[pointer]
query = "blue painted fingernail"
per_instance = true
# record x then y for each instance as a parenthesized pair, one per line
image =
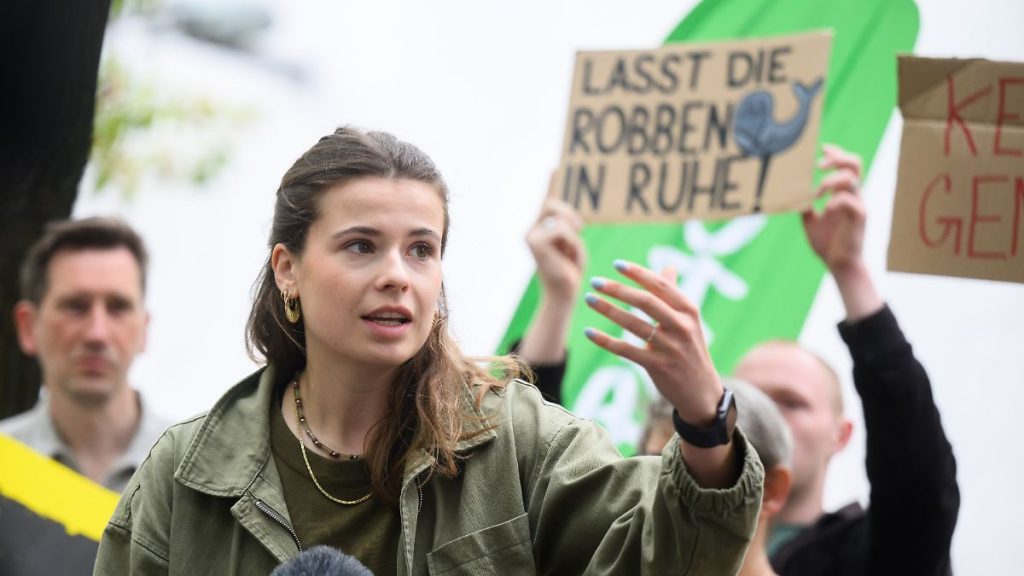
(598, 282)
(590, 298)
(590, 332)
(621, 265)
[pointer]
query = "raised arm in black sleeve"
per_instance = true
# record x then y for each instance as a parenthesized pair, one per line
(547, 377)
(910, 465)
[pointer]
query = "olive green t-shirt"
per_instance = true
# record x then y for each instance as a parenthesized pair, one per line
(368, 530)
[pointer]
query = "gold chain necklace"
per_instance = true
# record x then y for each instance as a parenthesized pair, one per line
(301, 421)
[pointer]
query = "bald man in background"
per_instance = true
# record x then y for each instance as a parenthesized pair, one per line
(908, 526)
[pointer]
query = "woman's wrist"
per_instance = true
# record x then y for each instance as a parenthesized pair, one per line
(716, 467)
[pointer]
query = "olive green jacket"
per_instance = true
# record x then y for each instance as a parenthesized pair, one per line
(543, 492)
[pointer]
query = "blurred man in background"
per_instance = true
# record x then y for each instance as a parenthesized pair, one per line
(82, 315)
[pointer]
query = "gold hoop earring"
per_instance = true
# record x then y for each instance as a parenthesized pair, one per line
(292, 310)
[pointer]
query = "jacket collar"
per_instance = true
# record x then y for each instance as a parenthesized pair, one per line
(232, 445)
(478, 426)
(477, 430)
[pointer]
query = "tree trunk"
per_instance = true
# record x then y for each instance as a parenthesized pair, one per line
(51, 59)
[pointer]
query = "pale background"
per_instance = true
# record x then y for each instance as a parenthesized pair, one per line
(483, 88)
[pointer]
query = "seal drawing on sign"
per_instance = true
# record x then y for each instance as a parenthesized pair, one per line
(758, 134)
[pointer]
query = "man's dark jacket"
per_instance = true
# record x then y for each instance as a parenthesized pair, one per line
(908, 526)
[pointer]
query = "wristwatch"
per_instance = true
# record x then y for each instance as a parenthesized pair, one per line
(719, 433)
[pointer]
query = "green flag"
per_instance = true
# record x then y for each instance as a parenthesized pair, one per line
(754, 278)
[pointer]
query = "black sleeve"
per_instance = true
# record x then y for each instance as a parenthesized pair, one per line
(546, 377)
(910, 465)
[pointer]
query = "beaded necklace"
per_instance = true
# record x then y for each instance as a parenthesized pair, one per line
(301, 421)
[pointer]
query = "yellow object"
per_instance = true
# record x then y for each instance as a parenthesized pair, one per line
(53, 490)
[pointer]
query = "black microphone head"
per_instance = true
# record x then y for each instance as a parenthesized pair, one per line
(322, 561)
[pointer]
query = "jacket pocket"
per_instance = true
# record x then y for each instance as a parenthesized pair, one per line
(500, 549)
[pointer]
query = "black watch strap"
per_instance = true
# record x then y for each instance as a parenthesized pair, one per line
(719, 433)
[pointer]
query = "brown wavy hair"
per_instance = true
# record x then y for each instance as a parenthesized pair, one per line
(425, 408)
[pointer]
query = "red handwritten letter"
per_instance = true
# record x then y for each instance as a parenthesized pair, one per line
(953, 113)
(950, 223)
(1002, 115)
(976, 218)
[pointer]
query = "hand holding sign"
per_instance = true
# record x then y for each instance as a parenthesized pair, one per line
(561, 258)
(836, 234)
(554, 240)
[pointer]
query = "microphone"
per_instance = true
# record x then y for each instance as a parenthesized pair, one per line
(322, 561)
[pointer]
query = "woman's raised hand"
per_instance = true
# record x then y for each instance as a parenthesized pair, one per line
(673, 353)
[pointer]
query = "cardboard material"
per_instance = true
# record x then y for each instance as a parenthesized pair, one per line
(704, 131)
(959, 207)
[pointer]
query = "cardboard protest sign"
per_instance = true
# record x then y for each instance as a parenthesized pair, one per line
(706, 131)
(959, 207)
(752, 283)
